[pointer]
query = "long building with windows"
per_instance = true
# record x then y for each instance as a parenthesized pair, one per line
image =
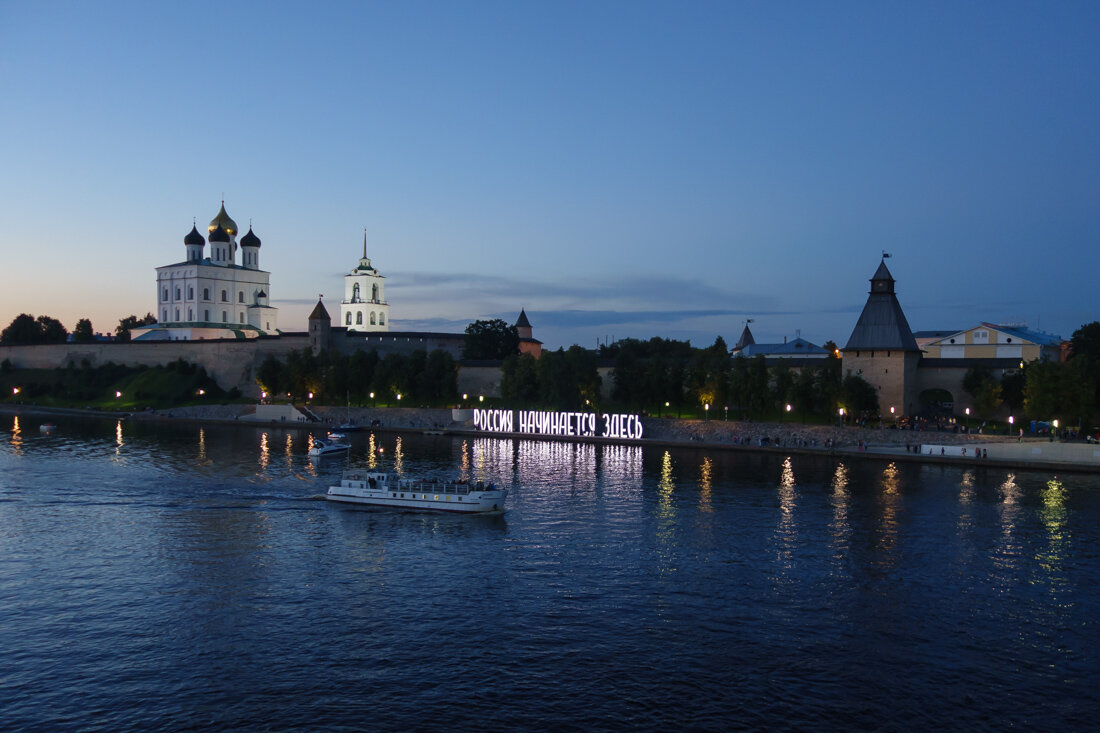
(209, 295)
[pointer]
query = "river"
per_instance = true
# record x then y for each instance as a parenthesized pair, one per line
(164, 576)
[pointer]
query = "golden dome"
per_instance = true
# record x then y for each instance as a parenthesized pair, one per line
(226, 223)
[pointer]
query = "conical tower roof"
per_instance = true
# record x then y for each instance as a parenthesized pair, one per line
(523, 322)
(882, 325)
(319, 313)
(745, 340)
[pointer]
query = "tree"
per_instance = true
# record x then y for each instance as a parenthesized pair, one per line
(52, 330)
(493, 339)
(519, 379)
(82, 333)
(125, 325)
(983, 387)
(269, 375)
(859, 396)
(22, 330)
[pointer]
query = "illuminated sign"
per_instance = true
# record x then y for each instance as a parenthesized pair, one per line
(538, 422)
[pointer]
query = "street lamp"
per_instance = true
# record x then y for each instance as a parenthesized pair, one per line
(202, 392)
(372, 399)
(310, 395)
(840, 417)
(1011, 420)
(706, 407)
(481, 398)
(399, 397)
(117, 394)
(14, 391)
(967, 411)
(727, 409)
(787, 407)
(666, 407)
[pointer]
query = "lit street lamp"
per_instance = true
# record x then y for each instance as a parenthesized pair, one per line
(706, 407)
(372, 399)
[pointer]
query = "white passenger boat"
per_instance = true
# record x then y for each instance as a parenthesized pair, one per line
(320, 448)
(386, 489)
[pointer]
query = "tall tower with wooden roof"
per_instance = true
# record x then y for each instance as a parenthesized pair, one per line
(882, 349)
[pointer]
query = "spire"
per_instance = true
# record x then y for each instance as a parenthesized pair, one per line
(882, 323)
(364, 243)
(746, 337)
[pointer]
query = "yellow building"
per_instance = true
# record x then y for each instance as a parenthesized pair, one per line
(993, 341)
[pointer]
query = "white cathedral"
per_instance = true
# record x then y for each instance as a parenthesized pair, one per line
(211, 296)
(364, 307)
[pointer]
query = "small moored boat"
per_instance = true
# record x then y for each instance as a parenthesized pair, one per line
(386, 489)
(320, 448)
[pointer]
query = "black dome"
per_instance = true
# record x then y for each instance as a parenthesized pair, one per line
(193, 237)
(250, 239)
(219, 235)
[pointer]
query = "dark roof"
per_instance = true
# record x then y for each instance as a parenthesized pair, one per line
(319, 313)
(219, 235)
(745, 340)
(250, 239)
(523, 322)
(882, 325)
(193, 237)
(797, 345)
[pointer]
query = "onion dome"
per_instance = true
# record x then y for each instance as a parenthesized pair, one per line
(261, 294)
(219, 235)
(250, 239)
(222, 220)
(193, 237)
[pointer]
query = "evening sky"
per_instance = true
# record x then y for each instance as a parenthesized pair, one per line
(616, 168)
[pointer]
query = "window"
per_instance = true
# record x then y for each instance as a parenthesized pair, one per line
(267, 326)
(225, 317)
(190, 293)
(177, 293)
(225, 297)
(359, 318)
(164, 294)
(206, 293)
(206, 315)
(381, 319)
(347, 318)
(373, 322)
(355, 293)
(164, 315)
(242, 318)
(190, 315)
(981, 337)
(177, 314)
(374, 293)
(240, 297)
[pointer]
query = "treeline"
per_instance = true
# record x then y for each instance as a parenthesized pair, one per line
(420, 377)
(177, 382)
(25, 329)
(663, 375)
(562, 379)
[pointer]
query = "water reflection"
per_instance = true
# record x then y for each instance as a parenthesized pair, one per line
(1008, 550)
(289, 451)
(203, 460)
(118, 439)
(265, 453)
(372, 453)
(464, 465)
(889, 499)
(840, 528)
(786, 532)
(16, 436)
(1053, 516)
(666, 522)
(398, 458)
(706, 471)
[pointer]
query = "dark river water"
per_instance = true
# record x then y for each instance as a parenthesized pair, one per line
(169, 577)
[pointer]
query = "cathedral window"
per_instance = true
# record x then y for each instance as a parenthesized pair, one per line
(190, 293)
(381, 319)
(359, 319)
(374, 293)
(164, 315)
(355, 293)
(206, 315)
(225, 317)
(242, 318)
(190, 315)
(372, 321)
(347, 319)
(206, 293)
(225, 297)
(177, 293)
(240, 297)
(164, 295)
(177, 314)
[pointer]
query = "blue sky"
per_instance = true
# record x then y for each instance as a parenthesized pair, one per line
(616, 168)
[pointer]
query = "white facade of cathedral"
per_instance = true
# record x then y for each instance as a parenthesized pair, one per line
(364, 307)
(211, 296)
